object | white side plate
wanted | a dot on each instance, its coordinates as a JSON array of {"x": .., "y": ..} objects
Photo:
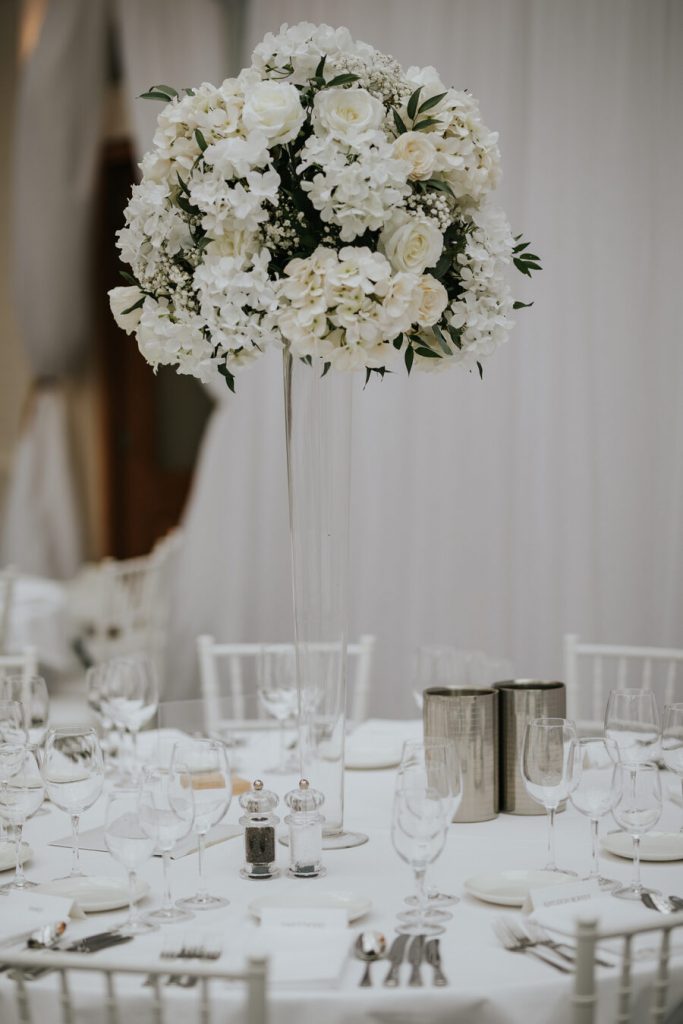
[
  {"x": 95, "y": 893},
  {"x": 354, "y": 904},
  {"x": 653, "y": 845},
  {"x": 8, "y": 856},
  {"x": 368, "y": 758},
  {"x": 511, "y": 888}
]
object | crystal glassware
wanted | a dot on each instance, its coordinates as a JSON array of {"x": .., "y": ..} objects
[
  {"x": 420, "y": 820},
  {"x": 95, "y": 680},
  {"x": 632, "y": 721},
  {"x": 672, "y": 740},
  {"x": 595, "y": 792},
  {"x": 278, "y": 694},
  {"x": 130, "y": 697},
  {"x": 203, "y": 767},
  {"x": 130, "y": 845},
  {"x": 13, "y": 742},
  {"x": 20, "y": 797},
  {"x": 166, "y": 813},
  {"x": 547, "y": 768},
  {"x": 32, "y": 694},
  {"x": 637, "y": 810},
  {"x": 73, "y": 771}
]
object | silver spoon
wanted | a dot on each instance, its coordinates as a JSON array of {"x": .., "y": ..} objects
[{"x": 370, "y": 946}]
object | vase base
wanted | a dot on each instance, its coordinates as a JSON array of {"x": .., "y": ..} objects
[{"x": 340, "y": 841}]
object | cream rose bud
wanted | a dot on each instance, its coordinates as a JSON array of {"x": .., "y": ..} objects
[
  {"x": 347, "y": 113},
  {"x": 411, "y": 243},
  {"x": 274, "y": 109},
  {"x": 419, "y": 150},
  {"x": 433, "y": 299},
  {"x": 121, "y": 300}
]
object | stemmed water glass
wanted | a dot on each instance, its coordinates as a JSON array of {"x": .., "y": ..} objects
[
  {"x": 130, "y": 845},
  {"x": 13, "y": 742},
  {"x": 420, "y": 820},
  {"x": 547, "y": 768},
  {"x": 637, "y": 810},
  {"x": 95, "y": 680},
  {"x": 438, "y": 760},
  {"x": 20, "y": 797},
  {"x": 32, "y": 694},
  {"x": 672, "y": 740},
  {"x": 203, "y": 767},
  {"x": 130, "y": 696},
  {"x": 595, "y": 792},
  {"x": 73, "y": 771},
  {"x": 278, "y": 694},
  {"x": 632, "y": 721},
  {"x": 166, "y": 811}
]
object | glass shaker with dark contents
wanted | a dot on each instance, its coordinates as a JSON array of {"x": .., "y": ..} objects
[{"x": 259, "y": 832}]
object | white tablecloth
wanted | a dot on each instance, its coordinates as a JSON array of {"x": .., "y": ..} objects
[{"x": 488, "y": 985}]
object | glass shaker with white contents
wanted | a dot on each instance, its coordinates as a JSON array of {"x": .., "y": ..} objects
[{"x": 305, "y": 831}]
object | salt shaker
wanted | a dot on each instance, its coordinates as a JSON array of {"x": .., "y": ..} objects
[
  {"x": 305, "y": 831},
  {"x": 259, "y": 832}
]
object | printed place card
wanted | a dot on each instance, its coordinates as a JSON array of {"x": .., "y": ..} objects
[
  {"x": 565, "y": 895},
  {"x": 24, "y": 912},
  {"x": 304, "y": 917}
]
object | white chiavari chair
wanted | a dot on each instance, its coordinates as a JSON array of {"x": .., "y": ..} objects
[
  {"x": 234, "y": 656},
  {"x": 8, "y": 577},
  {"x": 592, "y": 670},
  {"x": 119, "y": 1003},
  {"x": 585, "y": 996}
]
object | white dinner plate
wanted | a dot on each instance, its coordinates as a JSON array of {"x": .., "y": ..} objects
[
  {"x": 511, "y": 888},
  {"x": 95, "y": 893},
  {"x": 8, "y": 855},
  {"x": 653, "y": 845},
  {"x": 368, "y": 758},
  {"x": 354, "y": 904}
]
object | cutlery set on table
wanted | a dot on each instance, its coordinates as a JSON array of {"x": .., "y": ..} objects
[{"x": 371, "y": 946}]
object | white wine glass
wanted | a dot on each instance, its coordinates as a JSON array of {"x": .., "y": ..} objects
[
  {"x": 130, "y": 845},
  {"x": 32, "y": 693},
  {"x": 595, "y": 792},
  {"x": 166, "y": 812},
  {"x": 439, "y": 761},
  {"x": 13, "y": 742},
  {"x": 278, "y": 693},
  {"x": 130, "y": 697},
  {"x": 547, "y": 767},
  {"x": 111, "y": 734},
  {"x": 21, "y": 795},
  {"x": 637, "y": 810},
  {"x": 203, "y": 767},
  {"x": 632, "y": 721},
  {"x": 672, "y": 740},
  {"x": 420, "y": 819},
  {"x": 73, "y": 771}
]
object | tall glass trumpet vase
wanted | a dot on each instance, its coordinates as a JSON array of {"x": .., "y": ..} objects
[{"x": 318, "y": 434}]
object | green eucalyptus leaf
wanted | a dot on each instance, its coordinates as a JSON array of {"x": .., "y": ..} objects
[
  {"x": 427, "y": 122},
  {"x": 431, "y": 102},
  {"x": 413, "y": 102},
  {"x": 321, "y": 66},
  {"x": 129, "y": 278},
  {"x": 428, "y": 353},
  {"x": 154, "y": 95},
  {"x": 344, "y": 79},
  {"x": 326, "y": 368},
  {"x": 201, "y": 141},
  {"x": 398, "y": 121},
  {"x": 439, "y": 186},
  {"x": 136, "y": 305},
  {"x": 397, "y": 342},
  {"x": 521, "y": 305},
  {"x": 168, "y": 89},
  {"x": 441, "y": 340},
  {"x": 481, "y": 371},
  {"x": 409, "y": 356}
]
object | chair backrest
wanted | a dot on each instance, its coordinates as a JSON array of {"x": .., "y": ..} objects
[
  {"x": 585, "y": 997},
  {"x": 24, "y": 662},
  {"x": 8, "y": 578},
  {"x": 235, "y": 655},
  {"x": 592, "y": 670},
  {"x": 118, "y": 1004}
]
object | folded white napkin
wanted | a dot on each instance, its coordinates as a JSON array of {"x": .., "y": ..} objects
[
  {"x": 609, "y": 912},
  {"x": 93, "y": 840},
  {"x": 296, "y": 957}
]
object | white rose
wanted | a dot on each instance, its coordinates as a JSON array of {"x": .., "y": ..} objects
[
  {"x": 120, "y": 302},
  {"x": 411, "y": 243},
  {"x": 432, "y": 302},
  {"x": 274, "y": 109},
  {"x": 418, "y": 149},
  {"x": 347, "y": 113}
]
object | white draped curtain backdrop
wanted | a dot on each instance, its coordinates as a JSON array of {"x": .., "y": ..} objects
[{"x": 549, "y": 497}]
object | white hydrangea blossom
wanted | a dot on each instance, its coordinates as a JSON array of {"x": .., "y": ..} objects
[{"x": 324, "y": 199}]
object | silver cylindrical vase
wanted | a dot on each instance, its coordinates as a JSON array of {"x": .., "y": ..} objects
[
  {"x": 469, "y": 717},
  {"x": 522, "y": 700}
]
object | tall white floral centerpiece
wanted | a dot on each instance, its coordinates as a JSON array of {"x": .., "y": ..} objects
[{"x": 328, "y": 203}]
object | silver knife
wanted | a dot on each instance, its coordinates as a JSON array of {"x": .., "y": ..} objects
[
  {"x": 433, "y": 958},
  {"x": 415, "y": 954},
  {"x": 395, "y": 956}
]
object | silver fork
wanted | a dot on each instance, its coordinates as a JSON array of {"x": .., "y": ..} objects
[
  {"x": 516, "y": 943},
  {"x": 539, "y": 935}
]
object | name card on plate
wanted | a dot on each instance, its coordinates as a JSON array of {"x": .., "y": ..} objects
[
  {"x": 561, "y": 895},
  {"x": 24, "y": 912},
  {"x": 304, "y": 917}
]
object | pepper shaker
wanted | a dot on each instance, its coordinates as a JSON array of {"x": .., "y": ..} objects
[
  {"x": 305, "y": 831},
  {"x": 259, "y": 832}
]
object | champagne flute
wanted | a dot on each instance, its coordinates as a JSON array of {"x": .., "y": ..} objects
[
  {"x": 672, "y": 740},
  {"x": 207, "y": 773},
  {"x": 20, "y": 797},
  {"x": 419, "y": 824},
  {"x": 547, "y": 768},
  {"x": 595, "y": 792},
  {"x": 32, "y": 694},
  {"x": 637, "y": 810},
  {"x": 632, "y": 721},
  {"x": 279, "y": 695},
  {"x": 166, "y": 813},
  {"x": 73, "y": 771},
  {"x": 131, "y": 847}
]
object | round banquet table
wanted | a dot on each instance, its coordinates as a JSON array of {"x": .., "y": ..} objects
[{"x": 487, "y": 984}]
